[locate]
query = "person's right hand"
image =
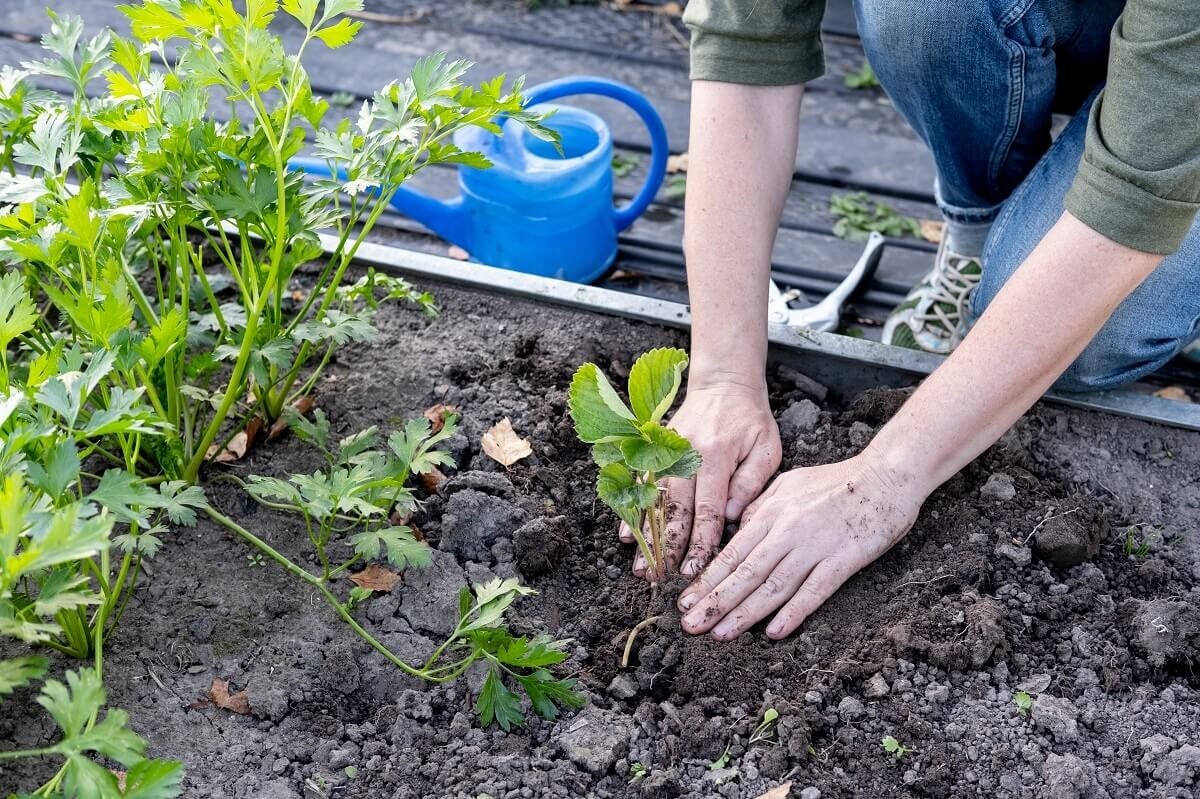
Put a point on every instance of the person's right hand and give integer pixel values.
(730, 424)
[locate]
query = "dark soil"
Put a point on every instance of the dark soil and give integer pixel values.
(1016, 574)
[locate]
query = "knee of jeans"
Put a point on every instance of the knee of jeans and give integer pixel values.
(1112, 361)
(903, 39)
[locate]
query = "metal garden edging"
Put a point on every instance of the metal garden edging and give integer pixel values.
(848, 363)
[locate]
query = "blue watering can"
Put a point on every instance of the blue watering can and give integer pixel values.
(538, 210)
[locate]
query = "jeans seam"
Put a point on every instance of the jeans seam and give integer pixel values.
(1013, 113)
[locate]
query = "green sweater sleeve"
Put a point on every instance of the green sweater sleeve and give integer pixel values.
(761, 42)
(1139, 179)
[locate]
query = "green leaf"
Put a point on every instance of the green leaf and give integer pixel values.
(57, 469)
(618, 488)
(497, 703)
(604, 454)
(686, 467)
(540, 651)
(19, 672)
(73, 704)
(547, 694)
(402, 548)
(180, 501)
(154, 779)
(18, 314)
(63, 589)
(492, 599)
(654, 381)
(339, 34)
(305, 11)
(660, 448)
(127, 497)
(599, 414)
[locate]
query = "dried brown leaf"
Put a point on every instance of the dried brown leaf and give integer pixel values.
(503, 445)
(932, 230)
(235, 703)
(239, 445)
(1177, 393)
(302, 406)
(437, 414)
(375, 578)
(677, 163)
(781, 791)
(432, 480)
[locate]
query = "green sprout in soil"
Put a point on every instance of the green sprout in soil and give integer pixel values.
(864, 78)
(357, 496)
(635, 451)
(894, 747)
(637, 772)
(766, 727)
(1023, 701)
(1138, 545)
(858, 216)
(722, 761)
(623, 165)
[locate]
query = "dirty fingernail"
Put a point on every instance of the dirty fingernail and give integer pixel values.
(687, 601)
(690, 568)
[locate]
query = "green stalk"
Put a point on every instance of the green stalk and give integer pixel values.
(316, 582)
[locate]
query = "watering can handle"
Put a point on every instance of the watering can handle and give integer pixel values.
(565, 87)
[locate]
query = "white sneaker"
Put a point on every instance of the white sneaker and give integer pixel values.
(933, 317)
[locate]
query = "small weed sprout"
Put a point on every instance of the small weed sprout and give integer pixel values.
(638, 771)
(1138, 545)
(766, 727)
(1023, 701)
(894, 747)
(623, 164)
(863, 78)
(722, 761)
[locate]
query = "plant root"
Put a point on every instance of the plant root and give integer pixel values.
(633, 634)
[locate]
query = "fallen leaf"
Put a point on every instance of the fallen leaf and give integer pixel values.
(121, 777)
(781, 791)
(400, 519)
(503, 445)
(432, 480)
(237, 447)
(299, 295)
(235, 703)
(375, 578)
(302, 406)
(677, 163)
(1176, 393)
(437, 414)
(458, 253)
(931, 230)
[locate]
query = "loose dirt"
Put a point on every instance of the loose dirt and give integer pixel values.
(1020, 574)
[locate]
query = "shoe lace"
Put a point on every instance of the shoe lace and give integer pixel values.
(951, 291)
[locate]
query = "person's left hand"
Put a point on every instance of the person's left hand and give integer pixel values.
(808, 533)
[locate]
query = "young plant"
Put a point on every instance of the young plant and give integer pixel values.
(766, 727)
(1023, 701)
(157, 231)
(637, 772)
(632, 447)
(863, 78)
(894, 748)
(362, 488)
(84, 735)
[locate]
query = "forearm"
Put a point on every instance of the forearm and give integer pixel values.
(741, 158)
(1036, 326)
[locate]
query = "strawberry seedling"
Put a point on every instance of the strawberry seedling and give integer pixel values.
(634, 450)
(894, 748)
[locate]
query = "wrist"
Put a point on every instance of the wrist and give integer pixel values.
(897, 471)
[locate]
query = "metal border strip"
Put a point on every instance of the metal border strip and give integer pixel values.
(876, 362)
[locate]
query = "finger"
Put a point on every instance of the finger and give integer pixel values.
(639, 564)
(821, 583)
(738, 583)
(708, 514)
(752, 475)
(624, 534)
(781, 584)
(723, 565)
(679, 502)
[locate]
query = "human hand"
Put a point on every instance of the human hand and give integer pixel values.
(808, 533)
(730, 424)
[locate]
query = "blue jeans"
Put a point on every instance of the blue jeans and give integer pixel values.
(979, 80)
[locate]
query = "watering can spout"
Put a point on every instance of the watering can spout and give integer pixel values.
(446, 218)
